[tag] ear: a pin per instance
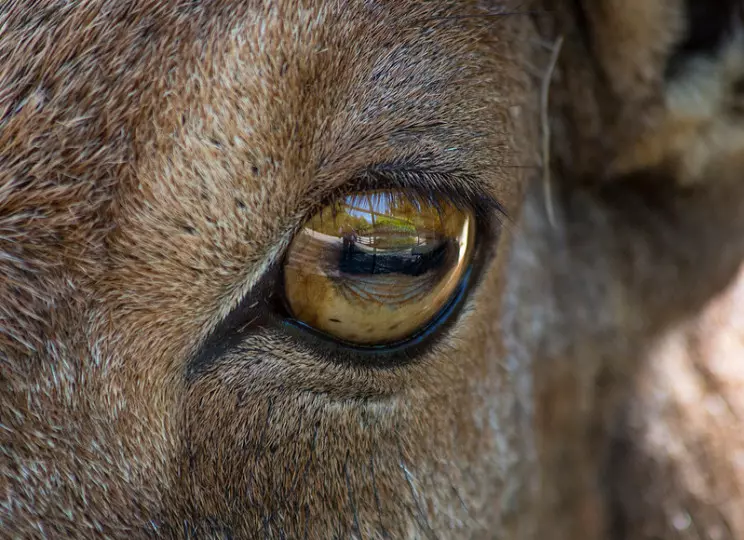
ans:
(678, 67)
(643, 84)
(633, 42)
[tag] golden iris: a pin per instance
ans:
(377, 267)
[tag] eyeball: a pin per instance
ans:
(378, 267)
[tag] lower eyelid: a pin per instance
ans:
(381, 357)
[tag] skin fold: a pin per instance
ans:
(156, 159)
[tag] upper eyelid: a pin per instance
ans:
(462, 189)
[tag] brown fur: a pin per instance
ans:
(155, 159)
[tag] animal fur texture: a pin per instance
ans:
(156, 158)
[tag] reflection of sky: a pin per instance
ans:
(364, 206)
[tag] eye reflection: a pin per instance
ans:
(377, 267)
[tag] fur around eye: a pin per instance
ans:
(377, 267)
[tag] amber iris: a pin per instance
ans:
(377, 267)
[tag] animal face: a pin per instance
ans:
(163, 165)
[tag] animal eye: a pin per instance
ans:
(378, 267)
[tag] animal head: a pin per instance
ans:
(159, 164)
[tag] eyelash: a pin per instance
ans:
(428, 185)
(263, 309)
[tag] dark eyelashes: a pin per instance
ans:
(462, 190)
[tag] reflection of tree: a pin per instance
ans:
(337, 221)
(385, 219)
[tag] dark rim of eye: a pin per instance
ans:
(264, 309)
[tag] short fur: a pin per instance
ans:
(155, 158)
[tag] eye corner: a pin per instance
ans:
(266, 309)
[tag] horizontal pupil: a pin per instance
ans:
(358, 259)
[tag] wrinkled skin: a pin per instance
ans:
(155, 160)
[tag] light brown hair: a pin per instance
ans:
(155, 158)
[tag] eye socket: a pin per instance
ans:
(378, 267)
